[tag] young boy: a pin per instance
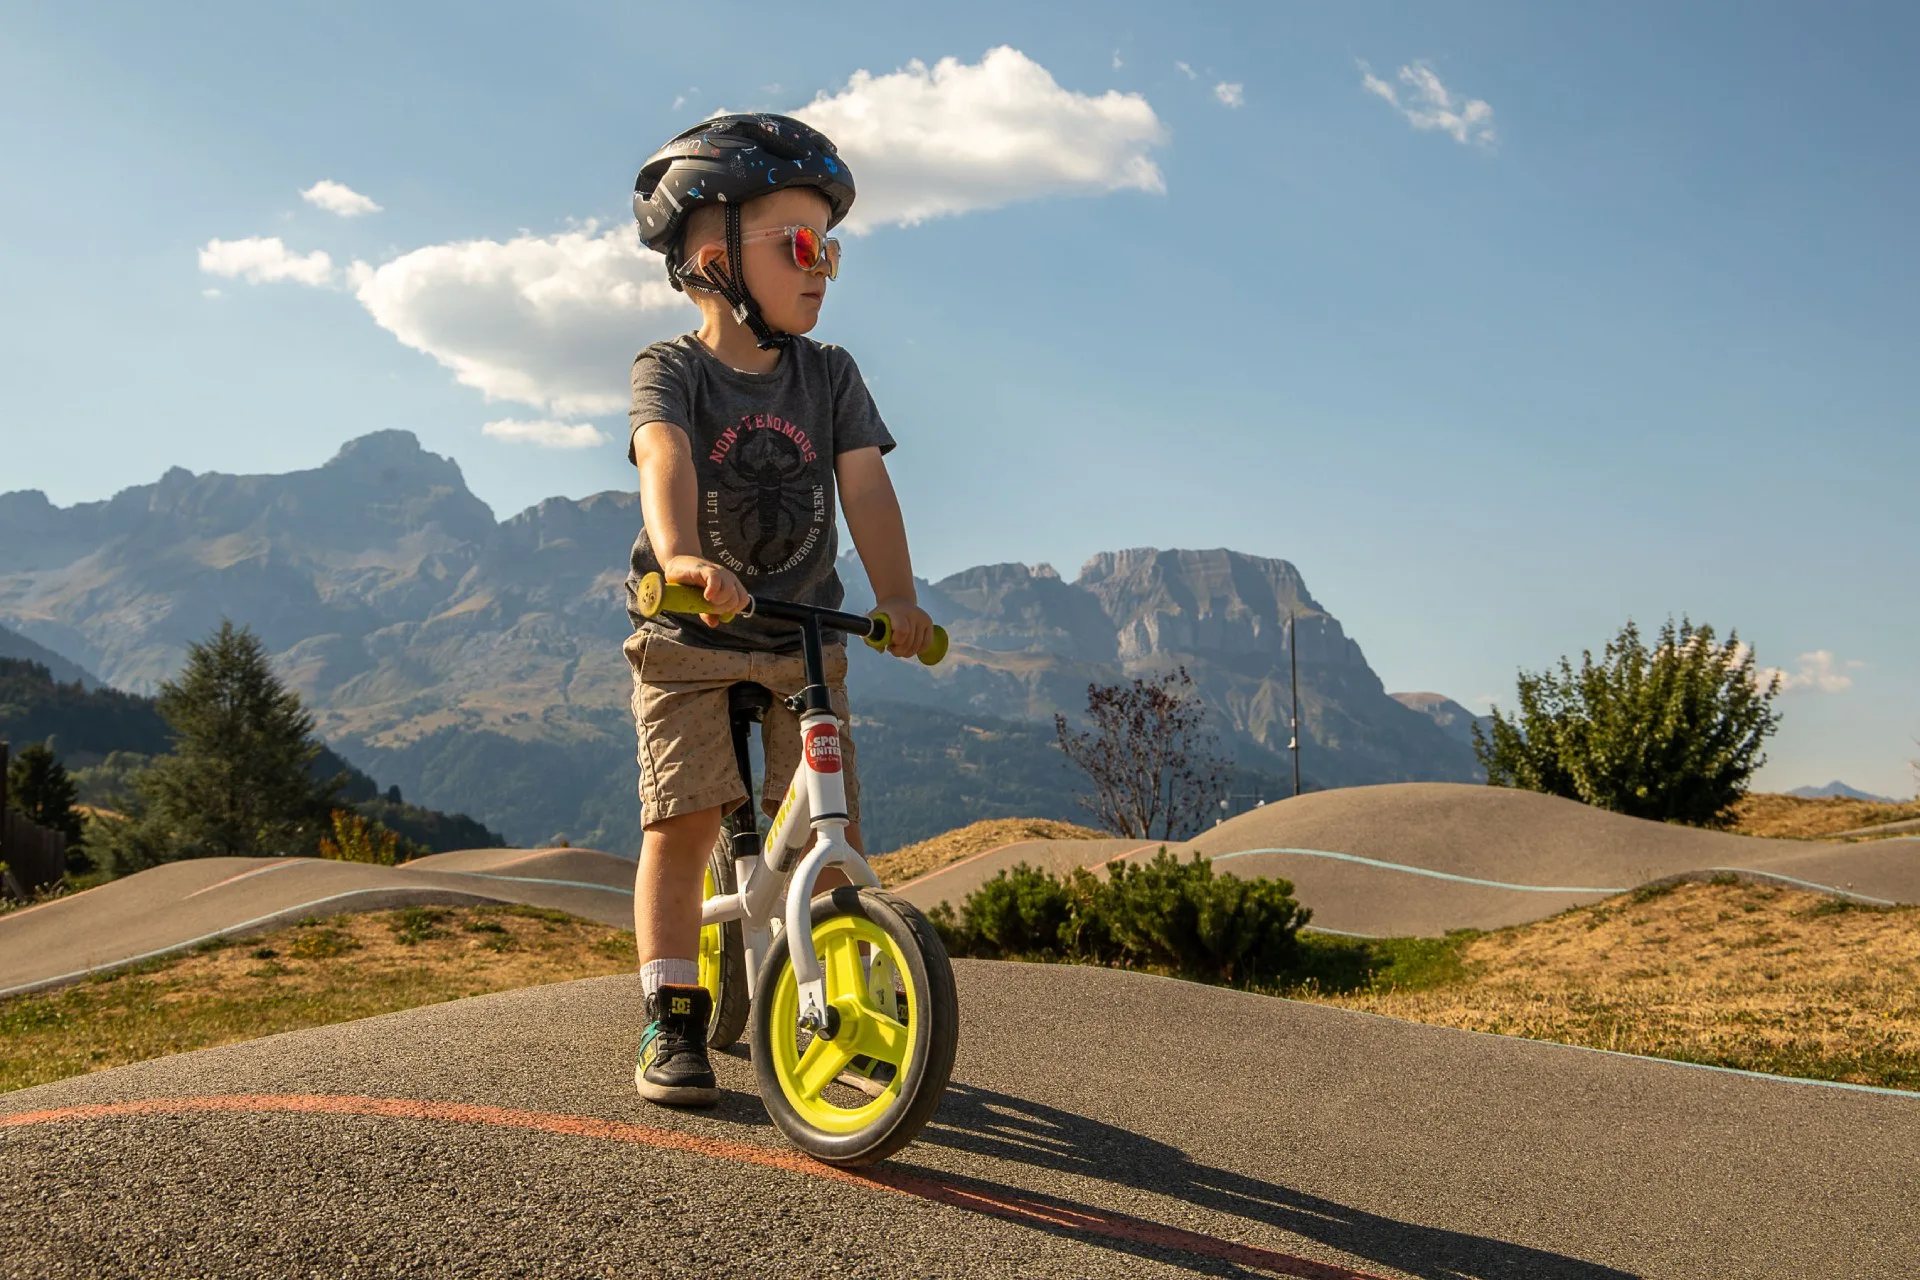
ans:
(743, 432)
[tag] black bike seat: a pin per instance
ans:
(749, 700)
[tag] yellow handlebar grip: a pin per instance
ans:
(936, 646)
(655, 596)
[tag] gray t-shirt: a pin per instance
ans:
(763, 451)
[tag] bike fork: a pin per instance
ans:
(827, 801)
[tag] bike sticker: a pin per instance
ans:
(823, 749)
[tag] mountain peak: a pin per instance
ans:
(381, 447)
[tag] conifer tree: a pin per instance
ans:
(238, 781)
(38, 786)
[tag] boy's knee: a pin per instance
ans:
(682, 832)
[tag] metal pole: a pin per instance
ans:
(1293, 677)
(4, 850)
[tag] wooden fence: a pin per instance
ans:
(33, 856)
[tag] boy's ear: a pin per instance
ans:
(709, 257)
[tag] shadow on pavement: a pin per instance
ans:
(982, 1122)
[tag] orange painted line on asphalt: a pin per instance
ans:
(65, 897)
(1120, 857)
(276, 866)
(1002, 848)
(972, 857)
(975, 1197)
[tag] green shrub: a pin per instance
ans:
(1182, 918)
(412, 925)
(361, 839)
(1166, 916)
(1669, 731)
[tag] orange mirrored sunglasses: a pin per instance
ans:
(812, 252)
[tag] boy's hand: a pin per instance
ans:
(716, 582)
(912, 628)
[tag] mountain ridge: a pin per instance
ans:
(450, 649)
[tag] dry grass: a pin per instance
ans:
(352, 966)
(914, 860)
(1795, 818)
(1738, 975)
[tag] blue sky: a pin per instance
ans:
(1633, 337)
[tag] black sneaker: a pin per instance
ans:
(673, 1066)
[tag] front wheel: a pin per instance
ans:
(864, 1094)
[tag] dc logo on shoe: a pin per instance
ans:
(682, 1005)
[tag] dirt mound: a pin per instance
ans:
(930, 855)
(1783, 817)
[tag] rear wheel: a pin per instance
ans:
(722, 958)
(863, 1094)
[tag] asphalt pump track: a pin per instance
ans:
(1426, 858)
(174, 906)
(1100, 1124)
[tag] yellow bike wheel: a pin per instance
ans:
(722, 959)
(863, 1093)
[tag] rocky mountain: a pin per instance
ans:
(477, 663)
(1454, 720)
(1838, 788)
(16, 646)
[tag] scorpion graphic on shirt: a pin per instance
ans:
(764, 474)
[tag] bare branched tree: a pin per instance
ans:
(1149, 755)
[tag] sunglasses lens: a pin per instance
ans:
(814, 252)
(806, 248)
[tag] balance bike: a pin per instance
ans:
(850, 993)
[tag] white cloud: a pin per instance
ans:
(554, 321)
(1429, 105)
(1186, 71)
(262, 260)
(209, 293)
(1117, 63)
(1817, 672)
(924, 143)
(1230, 94)
(679, 101)
(546, 433)
(336, 197)
(551, 321)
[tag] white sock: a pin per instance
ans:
(655, 974)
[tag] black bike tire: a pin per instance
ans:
(730, 1002)
(936, 1033)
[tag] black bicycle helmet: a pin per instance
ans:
(729, 160)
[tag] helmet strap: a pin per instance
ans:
(732, 286)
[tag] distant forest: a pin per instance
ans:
(102, 734)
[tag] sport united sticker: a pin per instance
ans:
(823, 749)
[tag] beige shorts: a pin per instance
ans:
(680, 714)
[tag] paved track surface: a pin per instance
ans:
(1423, 858)
(177, 904)
(1101, 1124)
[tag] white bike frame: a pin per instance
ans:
(815, 810)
